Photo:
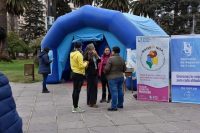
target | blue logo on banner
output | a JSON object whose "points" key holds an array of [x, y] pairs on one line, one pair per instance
{"points": [[185, 57]]}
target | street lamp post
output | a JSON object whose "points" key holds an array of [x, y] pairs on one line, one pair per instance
{"points": [[189, 10]]}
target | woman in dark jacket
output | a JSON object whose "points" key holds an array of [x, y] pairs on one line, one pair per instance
{"points": [[10, 122], [92, 57], [44, 67]]}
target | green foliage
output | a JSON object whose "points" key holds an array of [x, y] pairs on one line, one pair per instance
{"points": [[16, 45], [120, 5], [142, 8], [171, 15], [36, 47], [16, 7], [78, 3], [36, 44], [62, 7], [34, 21]]}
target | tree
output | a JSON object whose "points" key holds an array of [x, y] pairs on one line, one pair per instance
{"points": [[34, 21], [3, 26], [62, 7], [16, 45], [36, 47], [142, 8], [2, 40], [15, 8], [120, 5], [171, 15], [79, 3]]}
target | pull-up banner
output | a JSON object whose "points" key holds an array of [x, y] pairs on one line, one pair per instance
{"points": [[153, 68], [185, 68]]}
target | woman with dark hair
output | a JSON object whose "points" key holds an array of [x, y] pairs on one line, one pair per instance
{"points": [[104, 81], [44, 67], [92, 57], [114, 70]]}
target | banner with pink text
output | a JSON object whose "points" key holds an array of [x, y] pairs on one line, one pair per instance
{"points": [[153, 68]]}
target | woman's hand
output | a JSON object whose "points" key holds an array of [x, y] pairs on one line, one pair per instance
{"points": [[95, 54]]}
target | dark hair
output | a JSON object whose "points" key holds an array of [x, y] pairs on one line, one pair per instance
{"points": [[106, 47], [77, 45], [116, 49], [46, 49]]}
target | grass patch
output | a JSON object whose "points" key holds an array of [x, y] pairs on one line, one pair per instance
{"points": [[15, 71]]}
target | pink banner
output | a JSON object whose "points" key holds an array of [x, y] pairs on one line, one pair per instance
{"points": [[149, 93]]}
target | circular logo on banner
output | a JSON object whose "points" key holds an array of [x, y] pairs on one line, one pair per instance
{"points": [[152, 58]]}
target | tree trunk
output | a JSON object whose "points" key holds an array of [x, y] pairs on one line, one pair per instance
{"points": [[26, 54], [54, 2], [13, 55], [12, 22], [3, 23]]}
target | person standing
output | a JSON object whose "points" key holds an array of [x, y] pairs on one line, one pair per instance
{"points": [[104, 81], [44, 67], [92, 57], [78, 71], [114, 70]]}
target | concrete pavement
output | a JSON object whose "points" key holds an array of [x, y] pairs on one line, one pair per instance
{"points": [[51, 113]]}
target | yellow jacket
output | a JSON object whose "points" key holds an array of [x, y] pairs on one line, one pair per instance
{"points": [[76, 62]]}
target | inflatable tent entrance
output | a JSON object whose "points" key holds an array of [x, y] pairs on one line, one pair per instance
{"points": [[91, 24], [99, 46]]}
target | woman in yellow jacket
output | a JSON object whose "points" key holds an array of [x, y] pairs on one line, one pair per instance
{"points": [[78, 71]]}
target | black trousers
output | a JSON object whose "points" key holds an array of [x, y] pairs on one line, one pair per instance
{"points": [[104, 83], [44, 83], [92, 82], [77, 84]]}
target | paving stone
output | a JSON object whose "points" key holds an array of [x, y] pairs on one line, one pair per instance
{"points": [[43, 127], [51, 113], [111, 129], [162, 128], [69, 125], [79, 130], [133, 129]]}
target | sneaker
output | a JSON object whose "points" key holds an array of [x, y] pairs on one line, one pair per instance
{"points": [[80, 110], [77, 110]]}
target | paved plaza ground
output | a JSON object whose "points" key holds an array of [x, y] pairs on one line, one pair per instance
{"points": [[51, 113]]}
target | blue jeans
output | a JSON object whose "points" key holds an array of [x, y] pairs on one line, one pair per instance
{"points": [[116, 92]]}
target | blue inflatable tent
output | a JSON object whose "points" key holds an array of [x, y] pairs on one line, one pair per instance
{"points": [[103, 26]]}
